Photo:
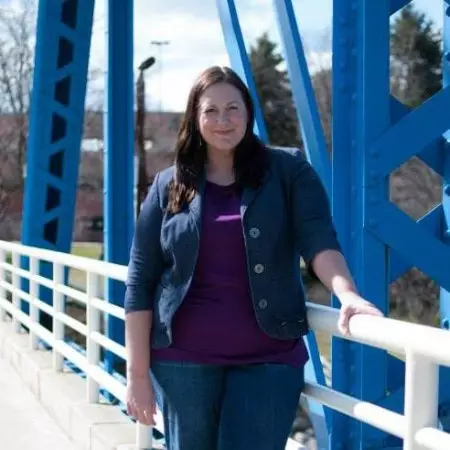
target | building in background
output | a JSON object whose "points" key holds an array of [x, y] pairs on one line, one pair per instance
{"points": [[160, 135]]}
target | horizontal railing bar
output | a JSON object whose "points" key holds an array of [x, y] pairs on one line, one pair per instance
{"points": [[25, 296], [115, 271], [15, 270], [397, 336], [71, 292], [8, 286], [433, 439], [35, 327], [46, 282], [369, 413], [109, 308], [109, 344], [45, 307], [7, 266], [72, 323], [22, 273]]}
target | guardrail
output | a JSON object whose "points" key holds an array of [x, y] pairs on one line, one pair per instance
{"points": [[425, 348]]}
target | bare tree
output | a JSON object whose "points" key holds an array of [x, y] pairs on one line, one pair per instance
{"points": [[4, 202], [320, 68], [322, 85], [17, 30], [17, 50]]}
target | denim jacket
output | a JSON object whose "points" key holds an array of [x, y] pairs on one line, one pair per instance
{"points": [[288, 216]]}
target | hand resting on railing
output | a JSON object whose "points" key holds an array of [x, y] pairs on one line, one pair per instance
{"points": [[352, 305], [140, 401]]}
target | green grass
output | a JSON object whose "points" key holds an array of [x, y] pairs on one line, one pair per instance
{"points": [[87, 250], [77, 278]]}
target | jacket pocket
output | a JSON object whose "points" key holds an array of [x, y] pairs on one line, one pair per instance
{"points": [[292, 327]]}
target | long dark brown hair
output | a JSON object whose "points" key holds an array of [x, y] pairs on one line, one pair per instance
{"points": [[250, 155]]}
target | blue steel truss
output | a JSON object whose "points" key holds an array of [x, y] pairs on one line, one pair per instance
{"points": [[119, 155], [63, 40], [372, 135], [64, 30]]}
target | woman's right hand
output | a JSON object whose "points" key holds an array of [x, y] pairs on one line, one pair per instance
{"points": [[140, 400]]}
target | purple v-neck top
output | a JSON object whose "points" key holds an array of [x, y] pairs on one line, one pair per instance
{"points": [[216, 323]]}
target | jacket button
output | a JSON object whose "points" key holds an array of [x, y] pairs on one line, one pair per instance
{"points": [[259, 268], [262, 303], [254, 233]]}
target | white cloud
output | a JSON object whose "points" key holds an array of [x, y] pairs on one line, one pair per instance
{"points": [[196, 41]]}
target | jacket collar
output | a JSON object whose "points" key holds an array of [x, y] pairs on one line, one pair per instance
{"points": [[248, 196], [196, 203]]}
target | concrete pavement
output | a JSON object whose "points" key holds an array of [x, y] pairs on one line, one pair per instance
{"points": [[24, 422]]}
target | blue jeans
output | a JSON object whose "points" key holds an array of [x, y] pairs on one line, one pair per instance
{"points": [[208, 407]]}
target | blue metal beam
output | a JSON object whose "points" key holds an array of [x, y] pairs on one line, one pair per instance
{"points": [[63, 40], [413, 133], [303, 92], [344, 80], [432, 154], [239, 60], [396, 5], [373, 119], [119, 153], [398, 110], [411, 241], [395, 374], [432, 223]]}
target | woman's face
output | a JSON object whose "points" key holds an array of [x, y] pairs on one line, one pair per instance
{"points": [[222, 117]]}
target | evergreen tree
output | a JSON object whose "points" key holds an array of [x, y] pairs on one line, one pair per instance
{"points": [[322, 85], [274, 93], [416, 58]]}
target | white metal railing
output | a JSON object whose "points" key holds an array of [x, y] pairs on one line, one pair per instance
{"points": [[95, 274], [425, 347]]}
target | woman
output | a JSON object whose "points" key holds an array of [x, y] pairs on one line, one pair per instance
{"points": [[214, 278]]}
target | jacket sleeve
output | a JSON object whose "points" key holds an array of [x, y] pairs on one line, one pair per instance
{"points": [[313, 225], [146, 260]]}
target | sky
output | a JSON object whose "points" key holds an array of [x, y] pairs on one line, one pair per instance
{"points": [[195, 39]]}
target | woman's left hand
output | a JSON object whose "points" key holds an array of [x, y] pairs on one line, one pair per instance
{"points": [[353, 304]]}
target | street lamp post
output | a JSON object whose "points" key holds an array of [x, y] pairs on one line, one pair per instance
{"points": [[160, 45], [142, 179]]}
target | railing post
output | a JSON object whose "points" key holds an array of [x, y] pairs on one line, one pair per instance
{"points": [[2, 289], [16, 287], [144, 436], [34, 294], [421, 397], [93, 325], [58, 307]]}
